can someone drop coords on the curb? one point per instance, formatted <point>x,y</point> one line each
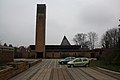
<point>108,70</point>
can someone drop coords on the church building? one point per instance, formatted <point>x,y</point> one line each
<point>40,50</point>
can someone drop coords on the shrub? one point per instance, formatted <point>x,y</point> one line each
<point>111,56</point>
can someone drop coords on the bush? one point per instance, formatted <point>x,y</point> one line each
<point>97,63</point>
<point>111,56</point>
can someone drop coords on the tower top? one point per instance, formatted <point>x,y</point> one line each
<point>41,8</point>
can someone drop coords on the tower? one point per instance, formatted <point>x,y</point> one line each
<point>40,30</point>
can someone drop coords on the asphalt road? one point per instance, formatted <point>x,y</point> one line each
<point>50,69</point>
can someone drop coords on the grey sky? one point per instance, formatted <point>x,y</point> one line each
<point>64,17</point>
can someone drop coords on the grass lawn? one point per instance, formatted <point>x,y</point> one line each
<point>106,66</point>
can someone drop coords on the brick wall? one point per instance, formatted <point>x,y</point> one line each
<point>66,54</point>
<point>5,74</point>
<point>17,68</point>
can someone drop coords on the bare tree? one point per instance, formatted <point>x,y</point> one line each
<point>80,39</point>
<point>92,38</point>
<point>0,42</point>
<point>110,38</point>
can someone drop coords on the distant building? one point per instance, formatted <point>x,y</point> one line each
<point>21,52</point>
<point>6,54</point>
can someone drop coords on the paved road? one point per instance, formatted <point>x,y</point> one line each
<point>49,69</point>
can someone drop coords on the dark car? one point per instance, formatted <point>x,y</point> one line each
<point>67,59</point>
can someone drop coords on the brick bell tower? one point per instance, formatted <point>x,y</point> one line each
<point>40,30</point>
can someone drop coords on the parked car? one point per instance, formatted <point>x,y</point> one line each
<point>67,59</point>
<point>78,62</point>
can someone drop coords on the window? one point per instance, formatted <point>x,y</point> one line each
<point>85,60</point>
<point>78,60</point>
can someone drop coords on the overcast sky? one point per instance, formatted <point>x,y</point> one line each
<point>64,17</point>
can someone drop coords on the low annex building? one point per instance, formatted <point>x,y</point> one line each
<point>65,49</point>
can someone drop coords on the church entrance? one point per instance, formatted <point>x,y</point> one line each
<point>39,54</point>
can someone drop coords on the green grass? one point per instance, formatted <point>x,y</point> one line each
<point>106,66</point>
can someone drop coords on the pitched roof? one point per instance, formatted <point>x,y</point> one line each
<point>65,41</point>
